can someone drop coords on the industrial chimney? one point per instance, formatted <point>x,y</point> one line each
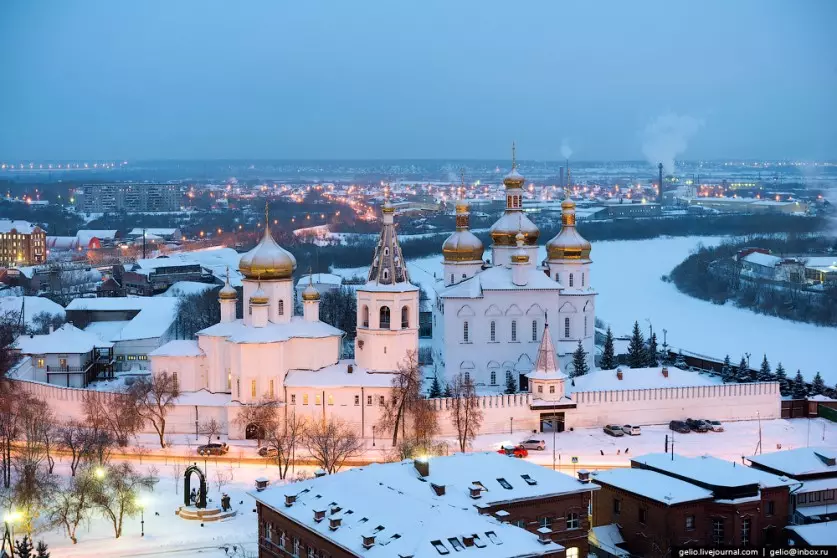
<point>660,196</point>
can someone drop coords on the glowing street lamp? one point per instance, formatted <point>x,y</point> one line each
<point>99,472</point>
<point>142,503</point>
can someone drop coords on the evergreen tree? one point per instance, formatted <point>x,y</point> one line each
<point>764,371</point>
<point>435,388</point>
<point>742,374</point>
<point>653,358</point>
<point>580,366</point>
<point>800,391</point>
<point>782,378</point>
<point>608,354</point>
<point>23,547</point>
<point>448,391</point>
<point>726,370</point>
<point>636,349</point>
<point>818,385</point>
<point>680,361</point>
<point>43,550</point>
<point>511,385</point>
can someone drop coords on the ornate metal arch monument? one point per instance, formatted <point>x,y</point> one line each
<point>200,501</point>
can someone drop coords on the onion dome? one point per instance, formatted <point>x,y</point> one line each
<point>310,292</point>
<point>520,255</point>
<point>514,221</point>
<point>227,292</point>
<point>462,245</point>
<point>568,244</point>
<point>267,260</point>
<point>259,297</point>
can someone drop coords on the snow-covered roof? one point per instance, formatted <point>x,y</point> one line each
<point>712,471</point>
<point>546,366</point>
<point>155,315</point>
<point>147,265</point>
<point>33,306</point>
<point>61,242</point>
<point>183,288</point>
<point>401,524</point>
<point>337,375</point>
<point>607,537</point>
<point>84,236</point>
<point>155,232</point>
<point>216,259</point>
<point>817,485</point>
<point>640,378</point>
<point>817,534</point>
<point>372,287</point>
<point>655,486</point>
<point>499,278</point>
<point>758,258</point>
<point>67,339</point>
<point>178,348</point>
<point>22,227</point>
<point>319,279</point>
<point>237,332</point>
<point>815,512</point>
<point>799,462</point>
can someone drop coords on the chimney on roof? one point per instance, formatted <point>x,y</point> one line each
<point>289,500</point>
<point>51,328</point>
<point>665,372</point>
<point>618,373</point>
<point>334,522</point>
<point>368,541</point>
<point>475,491</point>
<point>468,540</point>
<point>502,515</point>
<point>439,489</point>
<point>319,473</point>
<point>422,465</point>
<point>544,535</point>
<point>319,514</point>
<point>584,476</point>
<point>350,369</point>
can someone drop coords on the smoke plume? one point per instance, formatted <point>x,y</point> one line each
<point>566,152</point>
<point>667,136</point>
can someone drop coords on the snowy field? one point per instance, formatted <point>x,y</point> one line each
<point>168,535</point>
<point>627,276</point>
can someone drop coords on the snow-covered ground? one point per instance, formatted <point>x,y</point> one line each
<point>168,535</point>
<point>627,276</point>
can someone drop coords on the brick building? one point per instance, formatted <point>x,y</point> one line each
<point>21,243</point>
<point>444,505</point>
<point>662,502</point>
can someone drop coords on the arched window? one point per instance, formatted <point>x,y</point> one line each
<point>557,277</point>
<point>463,276</point>
<point>281,307</point>
<point>405,317</point>
<point>386,274</point>
<point>383,321</point>
<point>386,251</point>
<point>566,328</point>
<point>534,330</point>
<point>465,332</point>
<point>540,389</point>
<point>571,279</point>
<point>493,377</point>
<point>467,377</point>
<point>365,316</point>
<point>552,389</point>
<point>582,279</point>
<point>514,330</point>
<point>451,277</point>
<point>493,328</point>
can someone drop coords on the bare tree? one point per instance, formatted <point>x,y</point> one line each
<point>73,502</point>
<point>465,412</point>
<point>331,442</point>
<point>154,399</point>
<point>177,472</point>
<point>116,413</point>
<point>406,391</point>
<point>285,439</point>
<point>259,418</point>
<point>222,478</point>
<point>116,497</point>
<point>10,399</point>
<point>210,428</point>
<point>73,438</point>
<point>140,451</point>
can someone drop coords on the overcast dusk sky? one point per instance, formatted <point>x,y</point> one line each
<point>429,79</point>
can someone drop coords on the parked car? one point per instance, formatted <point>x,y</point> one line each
<point>213,449</point>
<point>514,451</point>
<point>715,425</point>
<point>697,425</point>
<point>679,426</point>
<point>613,430</point>
<point>533,444</point>
<point>631,430</point>
<point>265,451</point>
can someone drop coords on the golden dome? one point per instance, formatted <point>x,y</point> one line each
<point>227,293</point>
<point>310,292</point>
<point>567,204</point>
<point>462,207</point>
<point>259,297</point>
<point>520,255</point>
<point>267,260</point>
<point>504,231</point>
<point>462,246</point>
<point>514,179</point>
<point>568,244</point>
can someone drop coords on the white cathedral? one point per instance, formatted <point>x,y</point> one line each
<point>489,324</point>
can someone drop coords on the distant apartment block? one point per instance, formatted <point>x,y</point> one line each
<point>109,198</point>
<point>21,243</point>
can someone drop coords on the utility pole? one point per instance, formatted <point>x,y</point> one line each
<point>143,243</point>
<point>554,428</point>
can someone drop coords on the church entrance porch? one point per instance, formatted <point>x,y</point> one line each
<point>552,422</point>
